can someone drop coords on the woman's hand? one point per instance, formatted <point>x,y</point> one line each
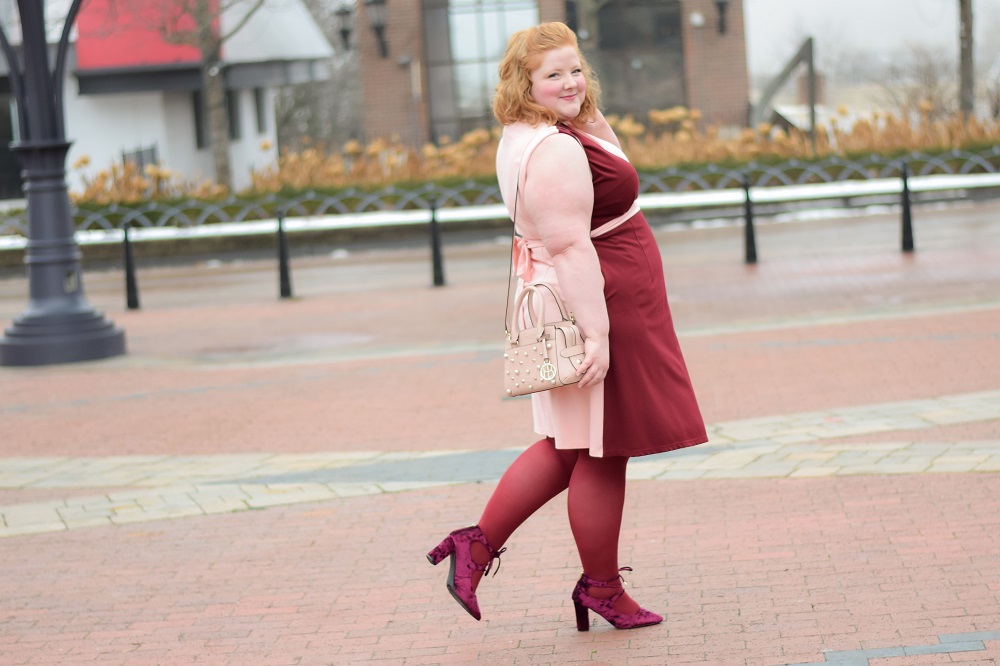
<point>600,128</point>
<point>596,361</point>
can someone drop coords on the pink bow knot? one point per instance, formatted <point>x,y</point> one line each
<point>521,256</point>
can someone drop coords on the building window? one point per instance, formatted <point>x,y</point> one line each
<point>201,117</point>
<point>260,104</point>
<point>200,125</point>
<point>465,40</point>
<point>141,157</point>
<point>233,109</point>
<point>639,24</point>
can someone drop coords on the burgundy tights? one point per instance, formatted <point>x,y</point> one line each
<point>596,498</point>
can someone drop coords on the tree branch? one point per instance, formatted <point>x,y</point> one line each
<point>246,18</point>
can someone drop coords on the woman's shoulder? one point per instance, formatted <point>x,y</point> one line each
<point>525,133</point>
<point>519,141</point>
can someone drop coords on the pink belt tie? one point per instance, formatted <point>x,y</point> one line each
<point>523,248</point>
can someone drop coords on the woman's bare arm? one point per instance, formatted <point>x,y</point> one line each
<point>559,196</point>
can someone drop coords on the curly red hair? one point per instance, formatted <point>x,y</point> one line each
<point>512,102</point>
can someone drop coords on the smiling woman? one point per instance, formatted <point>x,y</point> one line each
<point>558,83</point>
<point>571,193</point>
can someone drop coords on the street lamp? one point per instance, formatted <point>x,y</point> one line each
<point>377,11</point>
<point>58,326</point>
<point>722,6</point>
<point>345,24</point>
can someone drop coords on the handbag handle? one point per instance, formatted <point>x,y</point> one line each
<point>563,312</point>
<point>529,292</point>
<point>514,331</point>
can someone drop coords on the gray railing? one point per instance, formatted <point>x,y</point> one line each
<point>477,201</point>
<point>831,170</point>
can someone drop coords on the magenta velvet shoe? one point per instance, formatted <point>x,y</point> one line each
<point>458,545</point>
<point>606,607</point>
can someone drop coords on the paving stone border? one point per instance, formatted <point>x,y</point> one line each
<point>948,644</point>
<point>795,446</point>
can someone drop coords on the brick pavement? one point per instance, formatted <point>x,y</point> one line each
<point>255,484</point>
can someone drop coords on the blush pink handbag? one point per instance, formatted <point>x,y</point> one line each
<point>545,354</point>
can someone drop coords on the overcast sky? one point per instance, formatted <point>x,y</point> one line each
<point>775,28</point>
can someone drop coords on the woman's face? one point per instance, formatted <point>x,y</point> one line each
<point>558,83</point>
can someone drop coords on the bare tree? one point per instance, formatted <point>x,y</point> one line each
<point>194,23</point>
<point>197,23</point>
<point>326,112</point>
<point>967,76</point>
<point>922,80</point>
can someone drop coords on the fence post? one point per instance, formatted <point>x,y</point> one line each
<point>436,245</point>
<point>749,240</point>
<point>131,284</point>
<point>907,214</point>
<point>284,274</point>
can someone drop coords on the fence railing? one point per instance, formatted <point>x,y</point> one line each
<point>710,187</point>
<point>672,188</point>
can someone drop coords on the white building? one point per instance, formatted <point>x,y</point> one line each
<point>128,94</point>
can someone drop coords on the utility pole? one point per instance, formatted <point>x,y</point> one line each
<point>967,70</point>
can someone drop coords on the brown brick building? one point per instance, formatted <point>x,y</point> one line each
<point>438,74</point>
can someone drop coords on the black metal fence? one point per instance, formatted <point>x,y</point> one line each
<point>194,213</point>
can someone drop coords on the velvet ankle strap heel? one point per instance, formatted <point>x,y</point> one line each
<point>583,601</point>
<point>458,546</point>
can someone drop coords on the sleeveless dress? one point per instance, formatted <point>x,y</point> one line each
<point>646,404</point>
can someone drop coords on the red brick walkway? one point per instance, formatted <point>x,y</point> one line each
<point>746,571</point>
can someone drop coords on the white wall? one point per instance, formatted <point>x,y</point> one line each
<point>180,152</point>
<point>253,150</point>
<point>101,127</point>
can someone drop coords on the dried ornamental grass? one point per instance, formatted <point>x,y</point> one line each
<point>673,137</point>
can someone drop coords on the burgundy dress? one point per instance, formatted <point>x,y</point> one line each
<point>649,403</point>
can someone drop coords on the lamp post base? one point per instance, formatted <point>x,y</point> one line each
<point>58,326</point>
<point>47,339</point>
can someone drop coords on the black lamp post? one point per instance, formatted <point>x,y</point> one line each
<point>722,6</point>
<point>58,326</point>
<point>377,19</point>
<point>345,24</point>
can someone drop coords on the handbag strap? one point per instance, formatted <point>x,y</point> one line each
<point>508,323</point>
<point>510,271</point>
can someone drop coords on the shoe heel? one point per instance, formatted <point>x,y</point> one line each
<point>582,620</point>
<point>443,550</point>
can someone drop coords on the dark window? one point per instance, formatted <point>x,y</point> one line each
<point>667,26</point>
<point>631,24</point>
<point>572,19</point>
<point>200,126</point>
<point>10,166</point>
<point>260,104</point>
<point>614,29</point>
<point>233,109</point>
<point>141,157</point>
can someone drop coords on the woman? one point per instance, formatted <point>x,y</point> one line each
<point>572,194</point>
